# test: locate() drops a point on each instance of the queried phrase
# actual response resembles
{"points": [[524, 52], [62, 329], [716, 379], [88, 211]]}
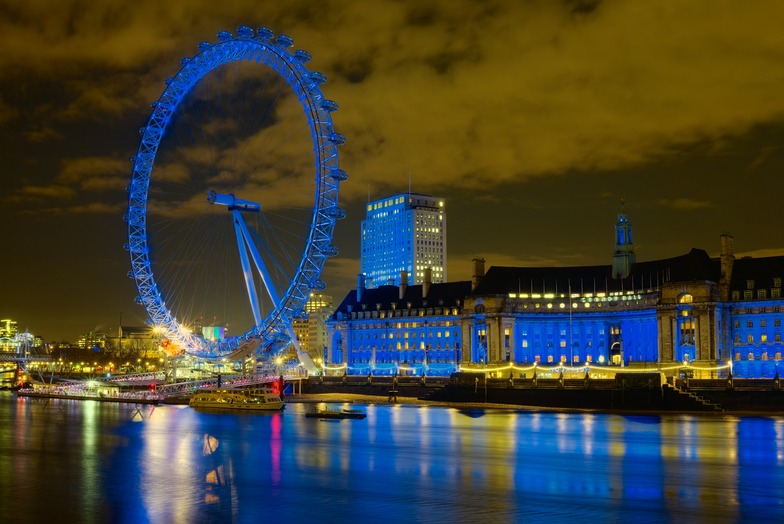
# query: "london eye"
{"points": [[233, 196]]}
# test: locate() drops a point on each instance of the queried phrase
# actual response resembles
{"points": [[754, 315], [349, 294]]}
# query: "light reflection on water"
{"points": [[91, 462]]}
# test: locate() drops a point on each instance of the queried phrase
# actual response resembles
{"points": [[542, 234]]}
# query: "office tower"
{"points": [[404, 233]]}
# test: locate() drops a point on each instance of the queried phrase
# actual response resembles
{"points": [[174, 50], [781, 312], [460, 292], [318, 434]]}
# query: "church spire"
{"points": [[623, 256]]}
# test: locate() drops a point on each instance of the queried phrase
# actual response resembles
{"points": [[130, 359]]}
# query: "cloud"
{"points": [[531, 89], [684, 204], [42, 134], [37, 193], [98, 208], [473, 95], [95, 173], [7, 112], [76, 177]]}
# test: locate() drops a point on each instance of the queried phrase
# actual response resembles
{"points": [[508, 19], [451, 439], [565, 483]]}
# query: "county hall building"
{"points": [[690, 308]]}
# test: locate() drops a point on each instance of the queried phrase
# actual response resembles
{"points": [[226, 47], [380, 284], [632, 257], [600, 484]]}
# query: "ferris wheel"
{"points": [[233, 197]]}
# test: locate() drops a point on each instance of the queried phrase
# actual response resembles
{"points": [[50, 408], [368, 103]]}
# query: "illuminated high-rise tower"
{"points": [[404, 232]]}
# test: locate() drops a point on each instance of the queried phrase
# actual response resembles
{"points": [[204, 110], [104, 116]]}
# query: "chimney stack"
{"points": [[727, 261], [360, 286], [403, 283], [478, 273], [428, 280]]}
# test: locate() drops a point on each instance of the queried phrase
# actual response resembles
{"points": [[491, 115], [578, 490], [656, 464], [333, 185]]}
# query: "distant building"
{"points": [[404, 235], [309, 329], [689, 308], [8, 336], [92, 340], [135, 339]]}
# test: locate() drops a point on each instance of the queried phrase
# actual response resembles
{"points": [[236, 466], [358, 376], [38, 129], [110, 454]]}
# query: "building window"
{"points": [[736, 295], [749, 339], [749, 324], [761, 294], [749, 284], [748, 295], [685, 299], [687, 331]]}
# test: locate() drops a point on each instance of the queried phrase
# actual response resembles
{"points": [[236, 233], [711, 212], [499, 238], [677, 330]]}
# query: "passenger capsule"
{"points": [[338, 175], [245, 31], [336, 213], [337, 139], [265, 33], [284, 41], [203, 46], [302, 55], [318, 78], [329, 105], [224, 36]]}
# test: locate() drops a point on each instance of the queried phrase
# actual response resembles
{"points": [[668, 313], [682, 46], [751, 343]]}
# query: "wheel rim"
{"points": [[304, 276]]}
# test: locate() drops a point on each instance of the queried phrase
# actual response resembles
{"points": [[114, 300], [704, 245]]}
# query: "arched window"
{"points": [[685, 299]]}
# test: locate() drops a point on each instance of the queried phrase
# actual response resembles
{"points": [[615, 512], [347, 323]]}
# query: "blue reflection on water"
{"points": [[91, 462]]}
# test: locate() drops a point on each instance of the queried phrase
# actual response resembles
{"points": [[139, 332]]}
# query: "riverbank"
{"points": [[124, 398], [637, 393], [355, 398]]}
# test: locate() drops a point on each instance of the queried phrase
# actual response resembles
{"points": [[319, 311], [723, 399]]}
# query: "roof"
{"points": [[446, 294], [761, 270], [696, 265]]}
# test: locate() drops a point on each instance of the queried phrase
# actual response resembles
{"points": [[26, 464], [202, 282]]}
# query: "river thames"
{"points": [[84, 461]]}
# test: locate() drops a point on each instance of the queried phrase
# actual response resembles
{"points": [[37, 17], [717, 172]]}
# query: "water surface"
{"points": [[72, 461]]}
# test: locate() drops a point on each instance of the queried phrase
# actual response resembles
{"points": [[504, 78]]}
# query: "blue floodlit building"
{"points": [[402, 236], [693, 308]]}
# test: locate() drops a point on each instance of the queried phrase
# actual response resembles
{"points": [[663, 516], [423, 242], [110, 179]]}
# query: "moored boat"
{"points": [[237, 399], [336, 414]]}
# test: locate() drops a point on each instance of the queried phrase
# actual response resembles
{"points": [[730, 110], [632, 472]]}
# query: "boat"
{"points": [[237, 399], [336, 414]]}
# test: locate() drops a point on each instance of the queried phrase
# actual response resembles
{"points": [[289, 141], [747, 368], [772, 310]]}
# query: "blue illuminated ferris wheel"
{"points": [[234, 195]]}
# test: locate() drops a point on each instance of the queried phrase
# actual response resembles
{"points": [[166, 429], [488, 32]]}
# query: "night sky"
{"points": [[533, 119]]}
